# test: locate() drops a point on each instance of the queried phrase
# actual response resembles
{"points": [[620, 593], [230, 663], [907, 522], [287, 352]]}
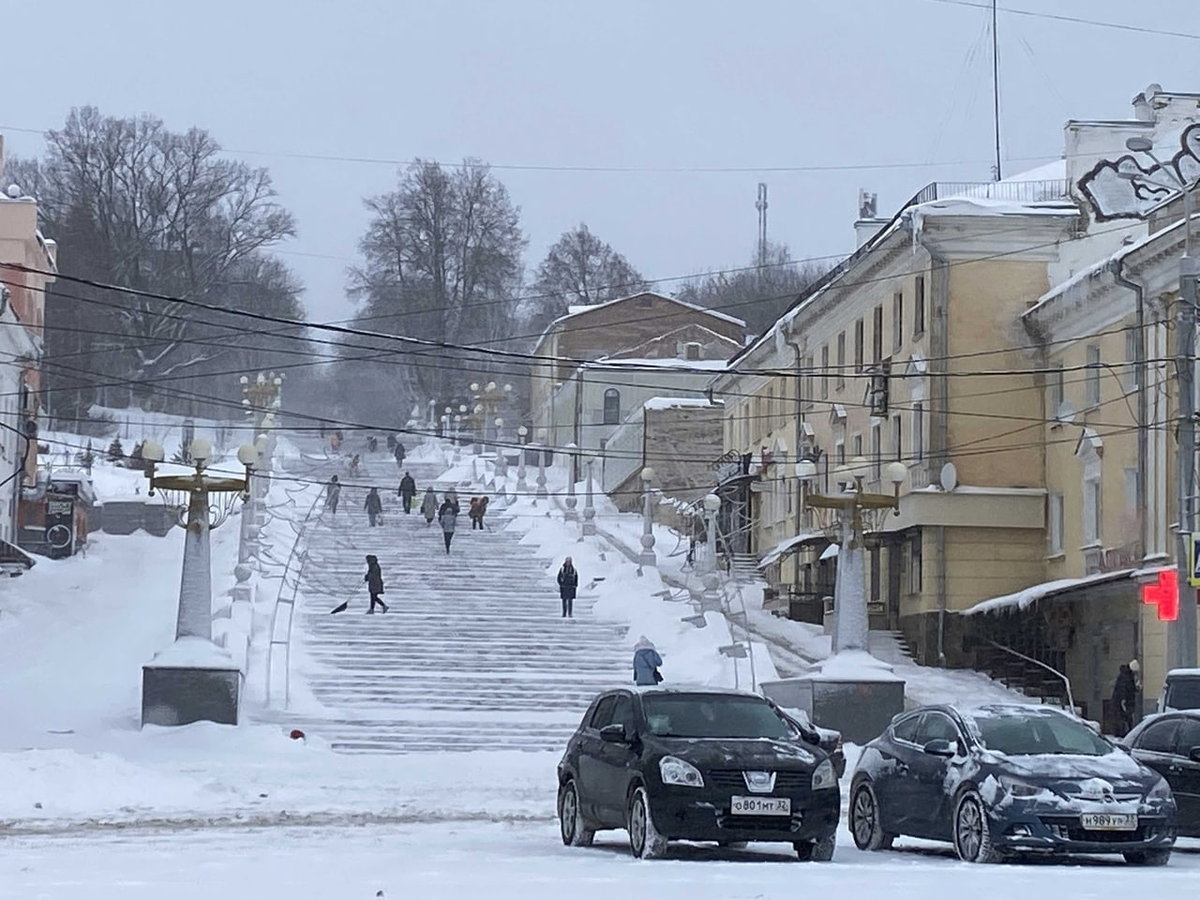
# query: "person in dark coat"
{"points": [[374, 580], [447, 518], [399, 453], [568, 585], [646, 662], [408, 490], [374, 506], [452, 498], [372, 443], [333, 491], [476, 511], [1124, 699], [391, 442], [429, 506]]}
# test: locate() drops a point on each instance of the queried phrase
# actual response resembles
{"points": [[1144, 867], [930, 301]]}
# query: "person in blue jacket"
{"points": [[646, 662]]}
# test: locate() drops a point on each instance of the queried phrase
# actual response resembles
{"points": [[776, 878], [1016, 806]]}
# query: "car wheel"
{"points": [[820, 850], [571, 826], [1148, 857], [972, 835], [644, 839], [865, 827]]}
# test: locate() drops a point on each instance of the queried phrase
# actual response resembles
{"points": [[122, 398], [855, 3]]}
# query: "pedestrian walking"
{"points": [[372, 443], [374, 507], [399, 453], [429, 506], [476, 512], [646, 662], [1124, 698], [391, 443], [374, 580], [408, 490], [333, 491], [447, 518], [452, 498], [354, 461], [568, 584]]}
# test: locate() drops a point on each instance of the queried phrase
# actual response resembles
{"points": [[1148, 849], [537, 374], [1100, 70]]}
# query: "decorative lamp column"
{"points": [[647, 556], [710, 599], [572, 501], [522, 435], [541, 476], [432, 416], [589, 508], [501, 461], [194, 679]]}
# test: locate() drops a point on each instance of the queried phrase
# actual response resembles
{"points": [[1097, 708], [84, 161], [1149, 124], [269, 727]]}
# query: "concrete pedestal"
{"points": [[860, 708], [193, 680]]}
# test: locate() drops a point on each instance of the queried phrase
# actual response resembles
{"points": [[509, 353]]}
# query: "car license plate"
{"points": [[1108, 822], [761, 806]]}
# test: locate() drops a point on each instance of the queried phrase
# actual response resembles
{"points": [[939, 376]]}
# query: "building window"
{"points": [[840, 452], [897, 439], [1054, 524], [1091, 511], [824, 371], [841, 360], [1058, 390], [918, 431], [856, 443], [876, 451], [919, 307], [770, 423], [1132, 339], [612, 407], [1132, 501], [1093, 375], [877, 336], [810, 394], [691, 350], [897, 320], [859, 330]]}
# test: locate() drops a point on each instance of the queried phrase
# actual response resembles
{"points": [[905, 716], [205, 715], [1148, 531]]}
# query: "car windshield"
{"points": [[1029, 735], [1183, 693], [714, 716]]}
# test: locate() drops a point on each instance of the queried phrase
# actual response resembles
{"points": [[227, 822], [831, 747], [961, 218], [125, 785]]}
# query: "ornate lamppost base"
{"points": [[193, 680]]}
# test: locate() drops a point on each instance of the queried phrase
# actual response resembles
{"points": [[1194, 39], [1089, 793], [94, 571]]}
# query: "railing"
{"points": [[281, 633], [623, 452], [1037, 662], [1011, 191]]}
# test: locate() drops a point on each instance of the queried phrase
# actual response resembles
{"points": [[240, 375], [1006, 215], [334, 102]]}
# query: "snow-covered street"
{"points": [[499, 859]]}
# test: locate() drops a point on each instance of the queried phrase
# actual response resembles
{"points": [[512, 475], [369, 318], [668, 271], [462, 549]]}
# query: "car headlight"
{"points": [[1015, 788], [824, 776], [679, 771], [1160, 791]]}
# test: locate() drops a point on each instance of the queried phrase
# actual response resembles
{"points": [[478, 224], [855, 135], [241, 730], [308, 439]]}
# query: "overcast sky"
{"points": [[902, 86]]}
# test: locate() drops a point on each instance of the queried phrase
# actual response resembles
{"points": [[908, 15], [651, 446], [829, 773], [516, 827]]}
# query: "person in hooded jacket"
{"points": [[568, 585], [374, 506], [447, 518], [1124, 699], [374, 580], [408, 490], [646, 662], [333, 491], [429, 506]]}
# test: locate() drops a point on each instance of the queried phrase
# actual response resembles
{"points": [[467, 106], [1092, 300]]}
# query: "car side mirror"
{"points": [[1194, 754], [941, 748], [613, 734]]}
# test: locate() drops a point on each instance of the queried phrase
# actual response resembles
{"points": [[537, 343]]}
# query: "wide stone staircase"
{"points": [[473, 653]]}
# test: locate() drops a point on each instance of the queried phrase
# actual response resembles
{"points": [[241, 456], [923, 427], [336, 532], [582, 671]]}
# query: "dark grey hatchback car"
{"points": [[697, 765]]}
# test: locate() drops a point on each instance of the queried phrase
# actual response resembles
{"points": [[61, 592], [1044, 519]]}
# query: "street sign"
{"points": [[1193, 561]]}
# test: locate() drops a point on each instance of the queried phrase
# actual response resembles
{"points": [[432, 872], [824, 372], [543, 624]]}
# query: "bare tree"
{"points": [[759, 293], [579, 269], [442, 262]]}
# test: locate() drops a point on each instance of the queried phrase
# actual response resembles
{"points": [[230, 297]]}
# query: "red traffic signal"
{"points": [[1164, 594]]}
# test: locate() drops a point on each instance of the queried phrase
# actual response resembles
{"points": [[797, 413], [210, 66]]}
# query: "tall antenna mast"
{"points": [[996, 90], [761, 206]]}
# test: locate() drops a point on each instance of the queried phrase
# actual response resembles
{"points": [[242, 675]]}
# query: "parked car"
{"points": [[1169, 744], [700, 765], [828, 739], [1008, 778], [1181, 690]]}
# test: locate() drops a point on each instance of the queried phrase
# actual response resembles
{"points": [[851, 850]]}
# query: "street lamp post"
{"points": [[432, 416], [851, 621], [647, 557], [572, 501], [710, 599], [501, 461], [194, 679], [1181, 634], [542, 494], [589, 508], [522, 486]]}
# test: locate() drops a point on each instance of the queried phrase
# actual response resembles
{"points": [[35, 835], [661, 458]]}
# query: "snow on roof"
{"points": [[580, 309], [805, 537], [1023, 599], [657, 403], [671, 362]]}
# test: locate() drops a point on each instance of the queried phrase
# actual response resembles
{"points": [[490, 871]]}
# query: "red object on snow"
{"points": [[296, 735]]}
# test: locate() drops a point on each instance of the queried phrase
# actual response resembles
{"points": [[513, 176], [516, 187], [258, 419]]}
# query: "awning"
{"points": [[1024, 599], [786, 546]]}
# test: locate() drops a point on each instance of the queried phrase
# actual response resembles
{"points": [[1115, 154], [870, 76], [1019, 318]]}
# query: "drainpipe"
{"points": [[940, 535], [798, 375], [939, 430], [1143, 400]]}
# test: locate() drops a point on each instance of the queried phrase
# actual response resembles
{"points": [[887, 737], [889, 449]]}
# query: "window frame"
{"points": [[1092, 383], [840, 378], [1056, 521], [611, 394], [919, 306], [897, 321]]}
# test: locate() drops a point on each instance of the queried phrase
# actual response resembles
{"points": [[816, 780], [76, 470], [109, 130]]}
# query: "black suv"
{"points": [[700, 765]]}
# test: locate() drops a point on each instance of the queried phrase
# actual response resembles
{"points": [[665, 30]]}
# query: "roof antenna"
{"points": [[996, 173]]}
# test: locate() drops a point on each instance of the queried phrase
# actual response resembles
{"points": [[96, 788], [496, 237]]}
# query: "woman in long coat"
{"points": [[374, 580], [429, 506]]}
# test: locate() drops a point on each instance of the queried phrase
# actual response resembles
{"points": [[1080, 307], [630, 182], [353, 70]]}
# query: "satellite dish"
{"points": [[1065, 412], [949, 477]]}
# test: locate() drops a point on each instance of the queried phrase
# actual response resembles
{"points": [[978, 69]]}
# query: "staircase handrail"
{"points": [[1037, 662], [286, 639]]}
